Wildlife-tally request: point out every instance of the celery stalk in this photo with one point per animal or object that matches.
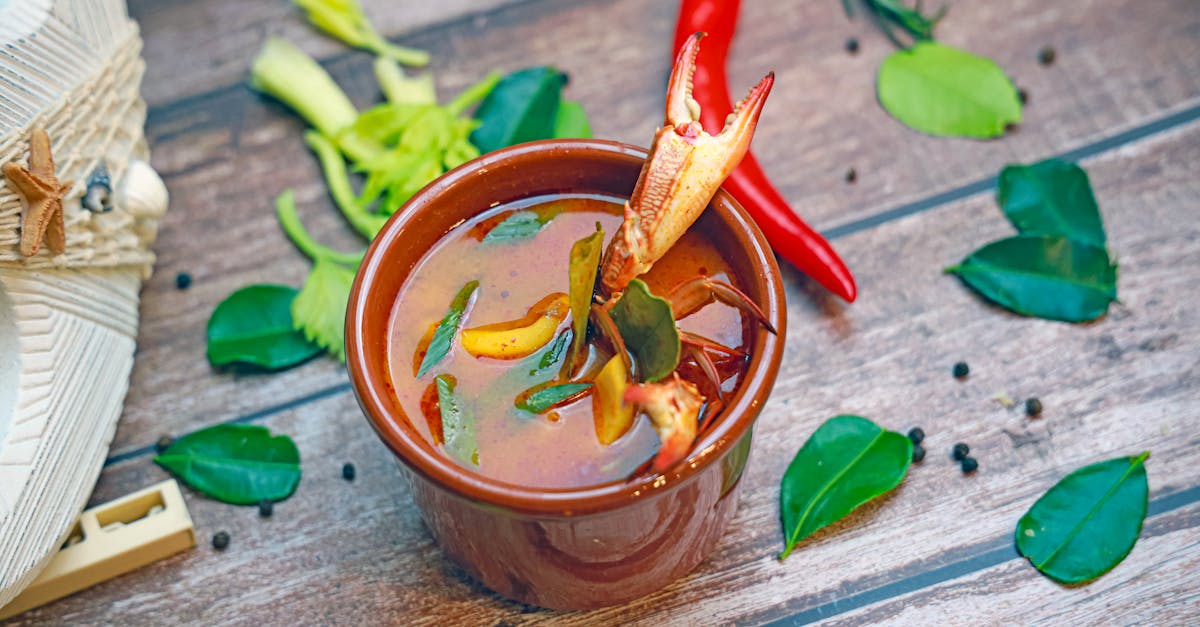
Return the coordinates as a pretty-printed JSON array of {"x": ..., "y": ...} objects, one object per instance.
[
  {"x": 401, "y": 89},
  {"x": 287, "y": 73},
  {"x": 285, "y": 209},
  {"x": 345, "y": 20},
  {"x": 366, "y": 223}
]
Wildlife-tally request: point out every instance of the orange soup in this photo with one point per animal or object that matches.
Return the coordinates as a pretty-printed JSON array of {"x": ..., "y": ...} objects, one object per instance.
[{"x": 558, "y": 448}]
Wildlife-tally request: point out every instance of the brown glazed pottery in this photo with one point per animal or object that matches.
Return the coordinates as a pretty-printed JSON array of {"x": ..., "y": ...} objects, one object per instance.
[{"x": 570, "y": 548}]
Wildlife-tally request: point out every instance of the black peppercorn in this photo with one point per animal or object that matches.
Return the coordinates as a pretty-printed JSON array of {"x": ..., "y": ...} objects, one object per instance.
[
  {"x": 1023, "y": 96},
  {"x": 960, "y": 451},
  {"x": 265, "y": 508},
  {"x": 961, "y": 370},
  {"x": 918, "y": 453},
  {"x": 183, "y": 281},
  {"x": 1033, "y": 407},
  {"x": 969, "y": 465},
  {"x": 220, "y": 540},
  {"x": 852, "y": 45},
  {"x": 1046, "y": 55},
  {"x": 916, "y": 434},
  {"x": 348, "y": 471},
  {"x": 851, "y": 175},
  {"x": 163, "y": 444}
]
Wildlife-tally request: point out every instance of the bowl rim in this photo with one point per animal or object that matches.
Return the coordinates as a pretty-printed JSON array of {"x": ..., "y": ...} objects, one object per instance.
[{"x": 736, "y": 419}]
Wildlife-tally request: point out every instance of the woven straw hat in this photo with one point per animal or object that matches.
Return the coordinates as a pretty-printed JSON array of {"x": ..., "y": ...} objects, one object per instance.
[{"x": 68, "y": 321}]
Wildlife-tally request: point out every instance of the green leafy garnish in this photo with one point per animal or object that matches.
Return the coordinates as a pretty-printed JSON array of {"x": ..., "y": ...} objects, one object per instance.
[
  {"x": 523, "y": 107},
  {"x": 552, "y": 355},
  {"x": 941, "y": 90},
  {"x": 571, "y": 122},
  {"x": 1051, "y": 197},
  {"x": 235, "y": 463},
  {"x": 583, "y": 267},
  {"x": 1044, "y": 276},
  {"x": 254, "y": 326},
  {"x": 648, "y": 328},
  {"x": 539, "y": 400},
  {"x": 319, "y": 310},
  {"x": 518, "y": 226},
  {"x": 345, "y": 20},
  {"x": 458, "y": 424},
  {"x": 1088, "y": 522},
  {"x": 848, "y": 461},
  {"x": 443, "y": 337}
]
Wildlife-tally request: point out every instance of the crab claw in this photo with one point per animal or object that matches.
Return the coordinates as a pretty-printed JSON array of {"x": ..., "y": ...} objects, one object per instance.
[
  {"x": 685, "y": 167},
  {"x": 673, "y": 407}
]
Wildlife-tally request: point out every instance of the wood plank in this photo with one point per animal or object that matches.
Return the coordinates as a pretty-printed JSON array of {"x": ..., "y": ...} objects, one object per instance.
[
  {"x": 225, "y": 156},
  {"x": 358, "y": 552},
  {"x": 196, "y": 47},
  {"x": 1144, "y": 588}
]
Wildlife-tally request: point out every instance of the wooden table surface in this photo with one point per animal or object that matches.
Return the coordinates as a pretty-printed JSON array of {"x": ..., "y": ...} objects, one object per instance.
[{"x": 1123, "y": 98}]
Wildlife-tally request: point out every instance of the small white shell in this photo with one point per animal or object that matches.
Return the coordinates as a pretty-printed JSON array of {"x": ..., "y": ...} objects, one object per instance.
[{"x": 142, "y": 193}]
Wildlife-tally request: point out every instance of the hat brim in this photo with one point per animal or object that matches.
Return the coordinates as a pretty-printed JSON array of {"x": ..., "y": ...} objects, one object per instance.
[{"x": 67, "y": 340}]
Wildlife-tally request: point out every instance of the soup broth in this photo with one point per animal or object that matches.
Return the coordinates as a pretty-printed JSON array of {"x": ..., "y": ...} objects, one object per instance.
[{"x": 557, "y": 449}]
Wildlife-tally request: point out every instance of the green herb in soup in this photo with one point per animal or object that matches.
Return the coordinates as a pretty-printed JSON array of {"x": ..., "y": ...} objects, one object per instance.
[{"x": 531, "y": 421}]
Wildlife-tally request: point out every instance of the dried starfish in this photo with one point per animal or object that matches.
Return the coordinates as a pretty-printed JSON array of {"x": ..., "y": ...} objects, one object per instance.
[{"x": 42, "y": 194}]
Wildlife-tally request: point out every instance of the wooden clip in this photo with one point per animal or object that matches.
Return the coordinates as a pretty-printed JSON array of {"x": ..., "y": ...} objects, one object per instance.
[{"x": 110, "y": 540}]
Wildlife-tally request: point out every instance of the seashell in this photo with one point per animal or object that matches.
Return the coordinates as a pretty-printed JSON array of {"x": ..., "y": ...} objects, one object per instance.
[
  {"x": 142, "y": 192},
  {"x": 98, "y": 197}
]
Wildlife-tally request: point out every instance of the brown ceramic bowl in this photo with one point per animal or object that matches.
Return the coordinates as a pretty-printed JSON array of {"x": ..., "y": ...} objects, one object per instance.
[{"x": 561, "y": 548}]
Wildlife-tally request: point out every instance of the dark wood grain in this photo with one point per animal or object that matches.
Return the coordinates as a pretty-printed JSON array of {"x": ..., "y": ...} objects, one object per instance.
[
  {"x": 1145, "y": 589},
  {"x": 197, "y": 47},
  {"x": 357, "y": 552},
  {"x": 226, "y": 154}
]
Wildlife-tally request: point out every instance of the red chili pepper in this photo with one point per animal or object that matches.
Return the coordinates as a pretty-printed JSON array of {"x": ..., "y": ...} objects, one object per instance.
[{"x": 789, "y": 236}]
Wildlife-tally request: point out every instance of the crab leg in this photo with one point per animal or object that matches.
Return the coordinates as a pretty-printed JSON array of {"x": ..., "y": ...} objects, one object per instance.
[
  {"x": 691, "y": 295},
  {"x": 685, "y": 167},
  {"x": 673, "y": 407}
]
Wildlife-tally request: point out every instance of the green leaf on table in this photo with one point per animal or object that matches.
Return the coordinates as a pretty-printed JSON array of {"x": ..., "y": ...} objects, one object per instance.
[
  {"x": 941, "y": 90},
  {"x": 1088, "y": 522},
  {"x": 648, "y": 328},
  {"x": 522, "y": 107},
  {"x": 542, "y": 399},
  {"x": 235, "y": 463},
  {"x": 319, "y": 311},
  {"x": 443, "y": 336},
  {"x": 583, "y": 267},
  {"x": 1043, "y": 276},
  {"x": 571, "y": 122},
  {"x": 253, "y": 326},
  {"x": 458, "y": 423},
  {"x": 846, "y": 462},
  {"x": 1051, "y": 197}
]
